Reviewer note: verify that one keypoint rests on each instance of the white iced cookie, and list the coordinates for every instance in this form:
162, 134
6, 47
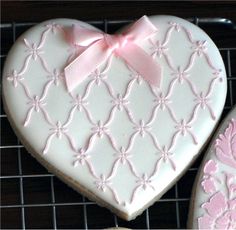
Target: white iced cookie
116, 138
213, 203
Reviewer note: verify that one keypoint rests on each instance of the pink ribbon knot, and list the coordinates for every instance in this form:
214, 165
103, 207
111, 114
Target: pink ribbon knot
100, 46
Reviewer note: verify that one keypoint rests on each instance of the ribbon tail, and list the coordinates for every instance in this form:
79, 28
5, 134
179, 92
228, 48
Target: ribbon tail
142, 63
85, 64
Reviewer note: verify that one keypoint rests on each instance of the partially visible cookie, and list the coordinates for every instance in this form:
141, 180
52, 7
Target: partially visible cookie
213, 204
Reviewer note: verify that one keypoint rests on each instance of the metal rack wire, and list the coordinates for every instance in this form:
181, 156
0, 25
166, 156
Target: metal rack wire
23, 180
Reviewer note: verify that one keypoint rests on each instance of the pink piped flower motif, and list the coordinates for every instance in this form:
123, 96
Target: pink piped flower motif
226, 145
120, 102
59, 129
166, 157
162, 101
56, 76
34, 50
123, 155
144, 182
53, 27
175, 25
142, 128
100, 129
183, 127
200, 47
81, 157
14, 77
180, 75
218, 213
36, 103
203, 101
157, 48
102, 183
79, 102
208, 182
217, 72
98, 76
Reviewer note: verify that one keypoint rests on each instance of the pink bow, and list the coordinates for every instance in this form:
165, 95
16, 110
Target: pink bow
99, 47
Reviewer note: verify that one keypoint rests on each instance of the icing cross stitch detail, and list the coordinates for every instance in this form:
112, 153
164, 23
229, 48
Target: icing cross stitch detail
102, 183
120, 102
200, 47
79, 102
100, 129
15, 78
81, 157
180, 75
34, 50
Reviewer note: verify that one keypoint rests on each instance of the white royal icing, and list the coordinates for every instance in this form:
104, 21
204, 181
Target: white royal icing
118, 137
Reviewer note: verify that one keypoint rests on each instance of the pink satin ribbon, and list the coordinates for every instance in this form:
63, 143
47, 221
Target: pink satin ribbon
100, 46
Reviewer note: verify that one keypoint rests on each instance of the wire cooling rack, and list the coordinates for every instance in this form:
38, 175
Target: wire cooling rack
33, 198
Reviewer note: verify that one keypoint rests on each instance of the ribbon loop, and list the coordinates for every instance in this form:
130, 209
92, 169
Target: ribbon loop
100, 46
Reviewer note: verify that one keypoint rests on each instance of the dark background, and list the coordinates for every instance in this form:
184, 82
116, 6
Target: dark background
98, 10
33, 198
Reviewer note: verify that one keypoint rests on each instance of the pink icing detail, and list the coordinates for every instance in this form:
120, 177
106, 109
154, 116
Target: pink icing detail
81, 158
143, 182
210, 167
167, 35
218, 215
176, 26
57, 130
188, 34
14, 77
99, 77
102, 183
44, 65
131, 141
120, 102
159, 49
131, 118
43, 39
112, 141
220, 209
111, 115
153, 115
165, 156
208, 183
200, 48
129, 87
226, 145
191, 61
56, 77
114, 193
25, 65
209, 61
113, 169
203, 103
211, 86
123, 155
33, 49
142, 128
53, 27
183, 127
169, 62
155, 142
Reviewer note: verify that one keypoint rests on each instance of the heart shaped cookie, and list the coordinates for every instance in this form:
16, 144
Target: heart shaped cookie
213, 204
122, 134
